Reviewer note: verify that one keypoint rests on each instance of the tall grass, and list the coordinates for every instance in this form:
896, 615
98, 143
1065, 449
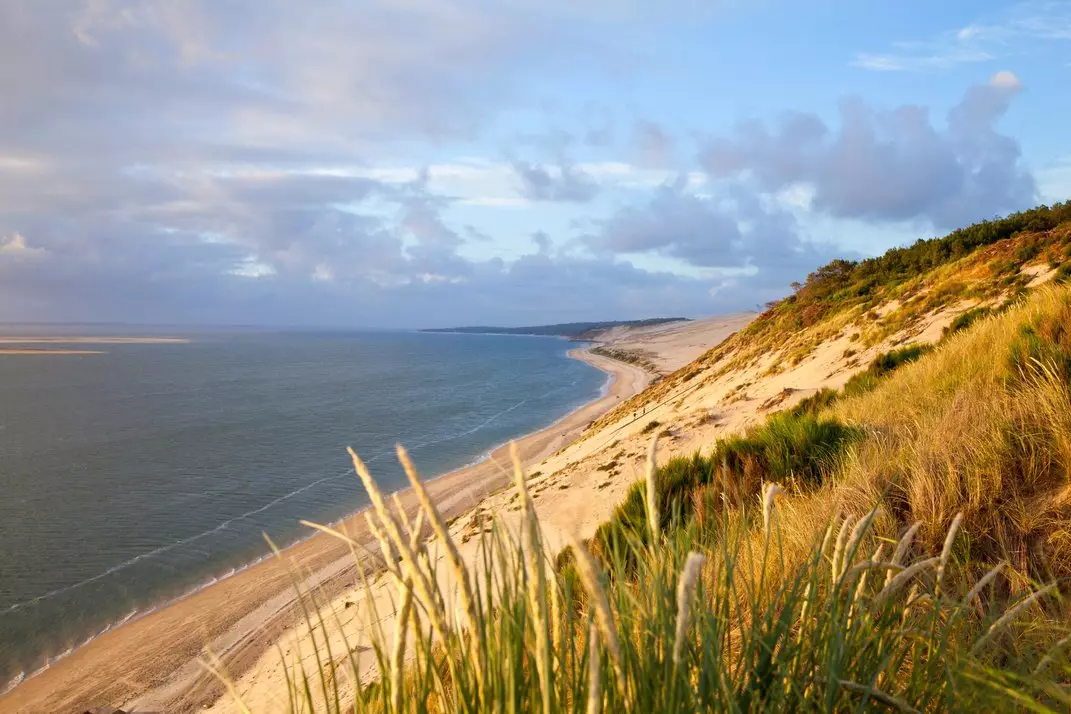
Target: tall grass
920, 569
706, 619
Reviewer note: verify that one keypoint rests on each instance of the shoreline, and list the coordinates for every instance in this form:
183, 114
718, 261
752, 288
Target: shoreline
150, 662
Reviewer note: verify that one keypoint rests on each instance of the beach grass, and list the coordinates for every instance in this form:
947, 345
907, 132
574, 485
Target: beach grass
902, 547
706, 619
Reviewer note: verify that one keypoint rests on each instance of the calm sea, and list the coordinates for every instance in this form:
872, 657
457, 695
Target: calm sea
130, 478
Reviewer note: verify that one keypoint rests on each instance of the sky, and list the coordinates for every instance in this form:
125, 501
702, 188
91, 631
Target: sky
428, 163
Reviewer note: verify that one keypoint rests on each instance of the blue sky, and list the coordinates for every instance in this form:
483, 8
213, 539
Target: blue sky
439, 162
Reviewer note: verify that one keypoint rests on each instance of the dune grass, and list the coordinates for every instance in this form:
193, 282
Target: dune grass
707, 618
901, 548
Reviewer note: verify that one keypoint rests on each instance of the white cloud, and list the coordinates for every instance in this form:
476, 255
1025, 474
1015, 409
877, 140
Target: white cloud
1020, 29
15, 246
916, 58
1005, 80
496, 201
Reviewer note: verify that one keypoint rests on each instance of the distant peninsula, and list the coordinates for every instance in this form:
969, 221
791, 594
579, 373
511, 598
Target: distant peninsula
573, 330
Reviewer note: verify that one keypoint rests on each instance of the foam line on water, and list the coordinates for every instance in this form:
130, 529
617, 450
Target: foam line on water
241, 517
171, 546
138, 614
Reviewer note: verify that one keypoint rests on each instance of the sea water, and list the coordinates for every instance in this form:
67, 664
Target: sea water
132, 477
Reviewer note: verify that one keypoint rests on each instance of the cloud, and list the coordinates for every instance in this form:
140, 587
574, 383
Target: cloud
921, 57
562, 183
259, 162
1019, 30
738, 233
890, 165
15, 247
654, 147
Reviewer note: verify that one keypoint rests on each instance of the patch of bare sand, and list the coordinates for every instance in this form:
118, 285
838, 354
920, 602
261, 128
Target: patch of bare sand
19, 351
90, 340
672, 345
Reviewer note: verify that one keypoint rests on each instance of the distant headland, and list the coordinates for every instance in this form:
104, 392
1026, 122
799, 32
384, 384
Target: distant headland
580, 331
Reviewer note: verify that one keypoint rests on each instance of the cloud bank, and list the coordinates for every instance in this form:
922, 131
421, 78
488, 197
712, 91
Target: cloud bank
348, 164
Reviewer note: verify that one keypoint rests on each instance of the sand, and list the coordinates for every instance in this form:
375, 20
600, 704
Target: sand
579, 476
90, 340
18, 351
672, 345
151, 664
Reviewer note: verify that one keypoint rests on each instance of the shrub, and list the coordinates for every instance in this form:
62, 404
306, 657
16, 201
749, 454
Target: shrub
882, 365
1044, 343
708, 619
788, 446
651, 426
966, 319
820, 400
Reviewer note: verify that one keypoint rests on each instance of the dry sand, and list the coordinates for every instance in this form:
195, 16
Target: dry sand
90, 340
578, 487
19, 351
672, 345
151, 664
579, 477
576, 482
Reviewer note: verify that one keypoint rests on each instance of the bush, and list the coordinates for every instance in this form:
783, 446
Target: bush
651, 426
966, 319
822, 399
786, 447
1044, 343
882, 365
676, 480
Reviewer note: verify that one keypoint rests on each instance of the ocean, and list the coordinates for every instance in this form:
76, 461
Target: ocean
132, 477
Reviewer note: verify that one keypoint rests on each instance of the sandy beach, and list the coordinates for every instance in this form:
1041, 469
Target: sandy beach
20, 351
152, 664
92, 340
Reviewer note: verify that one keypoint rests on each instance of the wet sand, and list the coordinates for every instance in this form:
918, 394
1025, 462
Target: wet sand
152, 664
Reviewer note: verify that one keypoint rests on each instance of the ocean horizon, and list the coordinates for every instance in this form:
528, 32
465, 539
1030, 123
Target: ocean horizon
138, 476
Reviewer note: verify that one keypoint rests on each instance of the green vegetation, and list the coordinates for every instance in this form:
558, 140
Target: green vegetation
861, 382
1044, 343
629, 356
651, 426
966, 319
842, 282
787, 447
901, 545
916, 566
883, 365
981, 263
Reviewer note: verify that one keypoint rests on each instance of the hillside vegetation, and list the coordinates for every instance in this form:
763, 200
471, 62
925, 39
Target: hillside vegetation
893, 537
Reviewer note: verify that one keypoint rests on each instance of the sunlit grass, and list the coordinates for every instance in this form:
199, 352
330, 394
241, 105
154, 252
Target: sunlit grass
916, 567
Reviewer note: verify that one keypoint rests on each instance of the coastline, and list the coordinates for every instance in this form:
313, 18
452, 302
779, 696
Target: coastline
151, 663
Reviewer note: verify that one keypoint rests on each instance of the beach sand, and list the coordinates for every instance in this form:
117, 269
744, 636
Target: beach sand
152, 664
91, 340
20, 351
